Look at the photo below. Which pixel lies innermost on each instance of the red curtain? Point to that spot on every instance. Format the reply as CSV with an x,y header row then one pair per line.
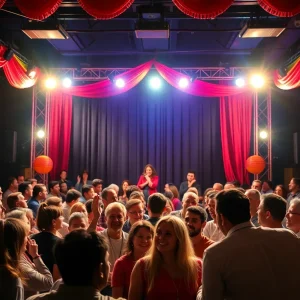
x,y
60,131
236,120
198,87
2,3
203,9
281,8
291,80
105,9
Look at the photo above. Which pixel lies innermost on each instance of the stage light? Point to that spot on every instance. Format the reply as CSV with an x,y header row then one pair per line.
x,y
183,83
120,83
50,83
67,82
155,83
240,82
40,134
263,134
257,81
32,74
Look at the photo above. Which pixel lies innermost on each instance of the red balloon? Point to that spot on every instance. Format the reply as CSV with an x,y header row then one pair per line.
x,y
43,164
255,164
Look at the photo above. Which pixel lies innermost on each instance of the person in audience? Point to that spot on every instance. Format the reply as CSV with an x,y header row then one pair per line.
x,y
131,189
267,187
169,205
195,220
229,185
281,191
191,182
122,191
12,188
189,199
97,186
15,200
63,188
228,266
175,200
13,237
205,202
114,187
170,270
82,180
294,190
19,214
79,207
49,221
26,190
39,194
94,266
20,179
254,198
87,193
271,211
54,189
139,241
148,181
90,213
108,196
72,197
64,179
115,214
156,206
217,187
211,229
78,220
193,190
33,182
31,219
293,216
256,185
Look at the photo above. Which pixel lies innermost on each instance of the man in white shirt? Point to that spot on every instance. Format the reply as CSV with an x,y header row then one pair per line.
x,y
251,262
72,197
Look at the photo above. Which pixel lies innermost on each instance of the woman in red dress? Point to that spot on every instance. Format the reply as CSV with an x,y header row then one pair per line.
x,y
171,271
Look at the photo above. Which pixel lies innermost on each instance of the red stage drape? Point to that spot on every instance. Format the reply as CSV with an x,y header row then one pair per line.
x,y
105,9
60,131
2,3
38,9
281,8
291,80
203,9
235,120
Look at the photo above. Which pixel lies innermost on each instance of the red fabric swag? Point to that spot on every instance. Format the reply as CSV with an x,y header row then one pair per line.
x,y
2,3
281,8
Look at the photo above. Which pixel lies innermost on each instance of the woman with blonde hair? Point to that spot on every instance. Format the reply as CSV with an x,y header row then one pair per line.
x,y
170,270
78,207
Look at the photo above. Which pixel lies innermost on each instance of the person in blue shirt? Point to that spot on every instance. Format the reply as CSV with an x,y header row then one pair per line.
x,y
39,194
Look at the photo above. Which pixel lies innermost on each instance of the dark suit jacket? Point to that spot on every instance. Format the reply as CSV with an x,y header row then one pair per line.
x,y
184,187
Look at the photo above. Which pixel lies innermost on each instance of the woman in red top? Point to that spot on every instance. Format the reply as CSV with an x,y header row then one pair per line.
x,y
138,243
148,181
171,271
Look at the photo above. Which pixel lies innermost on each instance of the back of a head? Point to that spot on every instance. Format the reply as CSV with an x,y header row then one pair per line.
x,y
137,195
72,194
23,187
45,216
53,201
234,206
296,181
253,194
79,256
276,205
96,182
157,203
88,205
114,187
38,188
131,189
12,199
169,195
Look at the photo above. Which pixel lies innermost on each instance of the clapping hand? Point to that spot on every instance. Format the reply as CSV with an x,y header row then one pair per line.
x,y
32,248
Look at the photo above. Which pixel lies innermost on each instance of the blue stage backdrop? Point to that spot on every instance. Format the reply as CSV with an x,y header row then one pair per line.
x,y
115,138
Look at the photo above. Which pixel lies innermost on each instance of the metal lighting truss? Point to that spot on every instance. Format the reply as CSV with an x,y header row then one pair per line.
x,y
261,119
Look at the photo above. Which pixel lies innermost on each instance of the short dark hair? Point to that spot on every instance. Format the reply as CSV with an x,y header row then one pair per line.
x,y
70,250
96,182
38,188
199,211
296,181
130,189
236,183
72,194
234,206
192,172
23,187
10,180
63,171
269,183
12,199
86,188
276,205
169,195
88,206
157,203
52,184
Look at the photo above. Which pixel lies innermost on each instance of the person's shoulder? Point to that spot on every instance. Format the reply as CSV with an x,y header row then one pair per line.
x,y
207,241
44,296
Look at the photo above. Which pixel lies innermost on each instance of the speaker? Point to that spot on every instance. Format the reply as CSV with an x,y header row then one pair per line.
x,y
8,149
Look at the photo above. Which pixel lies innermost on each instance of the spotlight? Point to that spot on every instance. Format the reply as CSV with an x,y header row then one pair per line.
x,y
31,70
263,134
50,83
120,83
257,81
183,83
40,134
193,78
155,83
67,82
240,82
32,74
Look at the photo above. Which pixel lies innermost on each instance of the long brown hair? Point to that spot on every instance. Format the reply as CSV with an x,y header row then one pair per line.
x,y
154,173
46,214
174,190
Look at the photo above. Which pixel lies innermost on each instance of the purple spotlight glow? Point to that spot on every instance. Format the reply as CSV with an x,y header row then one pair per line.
x,y
183,83
120,83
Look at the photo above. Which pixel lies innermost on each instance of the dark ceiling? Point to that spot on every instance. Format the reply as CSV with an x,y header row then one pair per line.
x,y
113,42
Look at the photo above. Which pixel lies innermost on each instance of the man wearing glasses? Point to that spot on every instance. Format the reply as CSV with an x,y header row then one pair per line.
x,y
293,216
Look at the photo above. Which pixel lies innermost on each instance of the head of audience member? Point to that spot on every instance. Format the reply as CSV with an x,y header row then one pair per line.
x,y
29,215
135,210
39,192
293,216
169,207
72,197
211,204
205,194
169,195
140,239
115,216
108,196
131,189
217,187
228,186
241,190
156,205
192,190
33,182
236,183
12,184
150,171
63,175
49,218
15,200
87,192
63,187
271,211
54,201
125,184
54,188
256,185
20,215
195,220
81,252
232,209
294,185
89,208
26,189
20,179
78,207
137,195
78,220
281,191
267,185
97,185
84,176
174,191
254,198
191,176
114,187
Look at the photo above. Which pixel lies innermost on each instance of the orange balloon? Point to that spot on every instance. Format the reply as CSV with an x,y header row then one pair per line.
x,y
43,164
255,164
